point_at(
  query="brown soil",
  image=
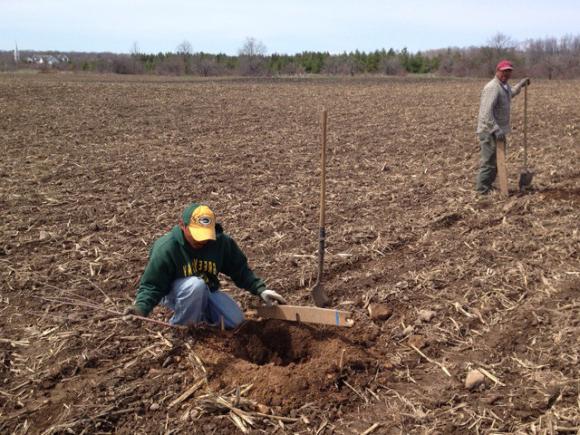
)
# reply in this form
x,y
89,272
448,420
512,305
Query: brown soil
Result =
x,y
95,168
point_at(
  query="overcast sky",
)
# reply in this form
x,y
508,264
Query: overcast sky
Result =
x,y
289,26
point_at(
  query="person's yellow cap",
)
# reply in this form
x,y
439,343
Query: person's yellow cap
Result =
x,y
200,222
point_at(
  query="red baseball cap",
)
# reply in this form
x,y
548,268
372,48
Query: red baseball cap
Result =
x,y
504,65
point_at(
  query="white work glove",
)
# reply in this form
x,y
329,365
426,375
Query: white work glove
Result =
x,y
524,82
270,297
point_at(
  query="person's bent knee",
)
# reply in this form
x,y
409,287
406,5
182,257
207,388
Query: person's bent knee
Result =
x,y
231,319
235,319
192,288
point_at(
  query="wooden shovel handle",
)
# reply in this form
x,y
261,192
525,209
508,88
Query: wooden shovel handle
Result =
x,y
525,127
318,294
323,169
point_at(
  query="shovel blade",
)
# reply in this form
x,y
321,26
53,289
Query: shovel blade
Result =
x,y
525,180
320,298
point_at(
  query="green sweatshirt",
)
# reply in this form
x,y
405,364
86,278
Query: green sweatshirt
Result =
x,y
171,257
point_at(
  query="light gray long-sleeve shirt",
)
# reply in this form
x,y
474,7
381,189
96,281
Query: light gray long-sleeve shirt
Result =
x,y
494,110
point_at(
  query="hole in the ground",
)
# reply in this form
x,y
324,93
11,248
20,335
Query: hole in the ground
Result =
x,y
273,342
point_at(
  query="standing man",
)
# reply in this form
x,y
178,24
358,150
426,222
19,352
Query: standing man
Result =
x,y
493,122
183,269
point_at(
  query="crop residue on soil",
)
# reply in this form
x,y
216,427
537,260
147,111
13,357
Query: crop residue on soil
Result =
x,y
94,168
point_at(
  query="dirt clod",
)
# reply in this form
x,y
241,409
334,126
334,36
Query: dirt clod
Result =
x,y
426,315
474,379
417,341
380,312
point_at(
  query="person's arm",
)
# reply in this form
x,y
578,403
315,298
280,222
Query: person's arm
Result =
x,y
156,280
518,87
235,265
489,97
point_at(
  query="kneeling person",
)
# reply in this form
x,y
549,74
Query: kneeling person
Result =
x,y
183,269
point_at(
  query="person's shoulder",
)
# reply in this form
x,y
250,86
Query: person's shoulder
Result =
x,y
491,89
167,241
223,238
493,83
221,235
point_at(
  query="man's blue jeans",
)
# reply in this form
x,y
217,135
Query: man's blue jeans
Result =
x,y
192,302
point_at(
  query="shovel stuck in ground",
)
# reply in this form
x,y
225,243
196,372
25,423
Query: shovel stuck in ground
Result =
x,y
318,294
525,176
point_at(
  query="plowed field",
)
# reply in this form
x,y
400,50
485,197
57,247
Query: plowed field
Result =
x,y
95,168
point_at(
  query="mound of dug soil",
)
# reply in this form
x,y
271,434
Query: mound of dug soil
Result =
x,y
290,364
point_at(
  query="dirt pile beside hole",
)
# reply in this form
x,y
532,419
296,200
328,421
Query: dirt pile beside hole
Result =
x,y
290,364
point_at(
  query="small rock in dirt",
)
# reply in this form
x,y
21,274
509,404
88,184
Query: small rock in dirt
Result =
x,y
154,407
263,408
426,315
474,379
44,235
380,311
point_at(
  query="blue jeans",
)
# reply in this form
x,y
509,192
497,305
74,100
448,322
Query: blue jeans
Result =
x,y
192,302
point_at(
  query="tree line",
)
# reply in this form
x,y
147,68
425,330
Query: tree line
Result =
x,y
550,58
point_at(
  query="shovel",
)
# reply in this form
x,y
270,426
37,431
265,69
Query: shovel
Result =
x,y
318,294
525,176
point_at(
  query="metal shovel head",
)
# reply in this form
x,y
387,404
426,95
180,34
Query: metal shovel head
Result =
x,y
319,296
525,179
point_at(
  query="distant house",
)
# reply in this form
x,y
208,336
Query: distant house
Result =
x,y
35,58
47,59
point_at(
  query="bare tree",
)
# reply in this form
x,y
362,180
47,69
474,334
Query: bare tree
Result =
x,y
499,46
501,42
135,49
252,47
206,65
185,50
252,57
134,66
